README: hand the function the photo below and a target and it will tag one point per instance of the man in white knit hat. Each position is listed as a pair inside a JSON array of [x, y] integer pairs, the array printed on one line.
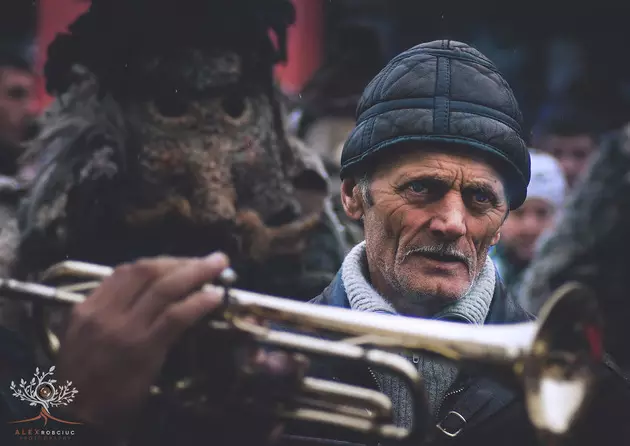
[[525, 225]]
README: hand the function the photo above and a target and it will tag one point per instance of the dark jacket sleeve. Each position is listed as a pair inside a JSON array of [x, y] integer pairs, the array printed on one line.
[[606, 419], [15, 363]]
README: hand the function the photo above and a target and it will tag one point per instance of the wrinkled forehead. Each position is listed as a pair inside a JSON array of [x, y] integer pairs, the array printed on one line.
[[445, 162]]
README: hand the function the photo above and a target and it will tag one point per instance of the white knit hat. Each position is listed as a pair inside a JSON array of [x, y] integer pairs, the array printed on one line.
[[547, 180]]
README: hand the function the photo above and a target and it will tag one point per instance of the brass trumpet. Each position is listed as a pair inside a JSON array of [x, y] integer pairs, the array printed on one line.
[[550, 359]]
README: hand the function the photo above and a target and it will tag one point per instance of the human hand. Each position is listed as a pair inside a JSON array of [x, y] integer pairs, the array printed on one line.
[[118, 339]]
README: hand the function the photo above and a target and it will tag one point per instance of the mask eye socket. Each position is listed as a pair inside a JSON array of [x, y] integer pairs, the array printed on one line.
[[236, 107], [173, 110]]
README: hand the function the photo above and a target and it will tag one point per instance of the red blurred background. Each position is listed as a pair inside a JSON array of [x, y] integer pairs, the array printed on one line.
[[304, 47]]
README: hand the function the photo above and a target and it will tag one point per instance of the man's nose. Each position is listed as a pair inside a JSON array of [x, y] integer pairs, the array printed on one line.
[[448, 221], [569, 166]]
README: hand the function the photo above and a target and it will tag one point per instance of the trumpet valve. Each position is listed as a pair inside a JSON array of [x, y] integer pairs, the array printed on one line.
[[228, 277]]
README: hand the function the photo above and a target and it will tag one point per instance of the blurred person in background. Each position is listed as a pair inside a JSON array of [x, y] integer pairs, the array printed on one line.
[[525, 225], [18, 107], [17, 124], [570, 134], [17, 104]]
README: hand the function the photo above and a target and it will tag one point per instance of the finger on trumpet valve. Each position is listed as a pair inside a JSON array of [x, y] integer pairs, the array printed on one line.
[[228, 277]]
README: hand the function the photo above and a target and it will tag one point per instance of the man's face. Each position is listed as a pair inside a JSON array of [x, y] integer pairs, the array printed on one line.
[[433, 218], [524, 226], [572, 152], [16, 104]]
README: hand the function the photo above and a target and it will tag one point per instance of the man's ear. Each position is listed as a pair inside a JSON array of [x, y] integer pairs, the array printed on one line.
[[351, 199], [496, 238]]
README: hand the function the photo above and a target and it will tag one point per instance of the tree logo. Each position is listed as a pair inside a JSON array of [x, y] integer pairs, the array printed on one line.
[[43, 391]]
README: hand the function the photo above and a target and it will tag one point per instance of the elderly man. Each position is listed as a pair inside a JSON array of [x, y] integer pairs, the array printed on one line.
[[432, 169]]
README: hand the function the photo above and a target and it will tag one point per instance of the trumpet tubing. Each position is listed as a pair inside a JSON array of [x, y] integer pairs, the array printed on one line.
[[449, 339], [551, 358]]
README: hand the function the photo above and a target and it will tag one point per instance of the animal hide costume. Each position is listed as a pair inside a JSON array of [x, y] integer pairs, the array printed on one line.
[[167, 137], [12, 314], [590, 244]]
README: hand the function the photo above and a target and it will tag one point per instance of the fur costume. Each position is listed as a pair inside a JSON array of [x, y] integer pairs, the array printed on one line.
[[167, 137], [12, 314], [590, 244]]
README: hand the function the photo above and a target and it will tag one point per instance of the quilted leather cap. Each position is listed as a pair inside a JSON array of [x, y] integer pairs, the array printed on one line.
[[442, 92]]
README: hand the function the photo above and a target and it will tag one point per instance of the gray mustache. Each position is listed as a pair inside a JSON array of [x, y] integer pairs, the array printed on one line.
[[445, 250]]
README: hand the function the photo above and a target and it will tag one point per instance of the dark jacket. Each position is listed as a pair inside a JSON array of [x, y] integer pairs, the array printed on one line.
[[495, 412], [15, 363]]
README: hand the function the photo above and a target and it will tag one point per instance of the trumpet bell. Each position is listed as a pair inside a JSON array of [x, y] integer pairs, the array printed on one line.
[[557, 376]]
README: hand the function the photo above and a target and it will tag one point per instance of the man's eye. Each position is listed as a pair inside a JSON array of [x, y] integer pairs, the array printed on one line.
[[580, 155], [482, 197], [418, 187], [17, 93]]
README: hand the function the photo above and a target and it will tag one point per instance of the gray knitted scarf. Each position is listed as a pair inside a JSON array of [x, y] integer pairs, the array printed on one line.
[[438, 374]]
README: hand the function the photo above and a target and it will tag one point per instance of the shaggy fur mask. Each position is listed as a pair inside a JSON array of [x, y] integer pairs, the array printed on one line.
[[167, 136]]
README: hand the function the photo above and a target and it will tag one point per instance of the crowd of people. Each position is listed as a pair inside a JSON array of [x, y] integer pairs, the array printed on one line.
[[437, 200]]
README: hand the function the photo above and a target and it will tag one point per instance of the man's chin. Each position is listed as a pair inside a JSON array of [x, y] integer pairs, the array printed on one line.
[[444, 290], [428, 267]]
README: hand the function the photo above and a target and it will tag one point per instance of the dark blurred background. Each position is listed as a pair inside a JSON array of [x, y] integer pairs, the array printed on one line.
[[548, 52], [18, 28]]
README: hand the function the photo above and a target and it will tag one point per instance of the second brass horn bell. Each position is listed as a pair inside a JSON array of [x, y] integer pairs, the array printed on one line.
[[551, 360]]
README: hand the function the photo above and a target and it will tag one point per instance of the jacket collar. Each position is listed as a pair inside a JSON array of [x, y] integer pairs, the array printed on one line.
[[503, 308]]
